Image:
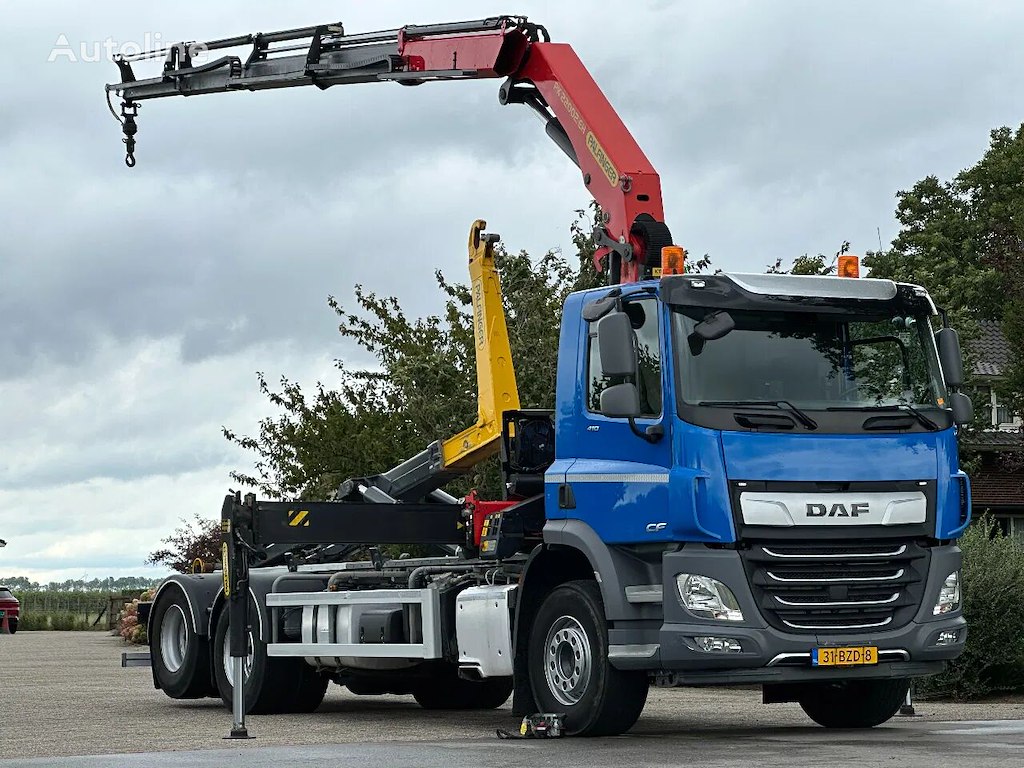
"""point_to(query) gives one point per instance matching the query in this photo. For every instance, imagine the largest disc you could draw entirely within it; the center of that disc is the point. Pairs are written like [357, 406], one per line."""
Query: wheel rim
[174, 638]
[568, 660]
[229, 670]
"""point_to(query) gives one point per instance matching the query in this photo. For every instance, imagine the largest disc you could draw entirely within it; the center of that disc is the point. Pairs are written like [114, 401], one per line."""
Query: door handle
[566, 498]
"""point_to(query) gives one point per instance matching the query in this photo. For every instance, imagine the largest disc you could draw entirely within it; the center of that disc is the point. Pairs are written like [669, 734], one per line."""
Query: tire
[449, 691]
[569, 669]
[12, 625]
[273, 686]
[854, 703]
[180, 658]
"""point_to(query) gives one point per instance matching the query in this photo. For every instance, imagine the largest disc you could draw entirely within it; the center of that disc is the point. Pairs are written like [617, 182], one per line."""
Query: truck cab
[763, 471]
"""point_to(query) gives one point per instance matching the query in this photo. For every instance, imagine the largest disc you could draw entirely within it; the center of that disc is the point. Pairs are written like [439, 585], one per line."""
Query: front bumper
[770, 655]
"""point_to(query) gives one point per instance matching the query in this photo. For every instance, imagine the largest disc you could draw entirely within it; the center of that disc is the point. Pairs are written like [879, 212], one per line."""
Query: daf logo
[656, 527]
[838, 510]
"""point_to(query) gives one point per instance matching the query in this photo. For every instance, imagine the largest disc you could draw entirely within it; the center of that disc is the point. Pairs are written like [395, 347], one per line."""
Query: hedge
[993, 602]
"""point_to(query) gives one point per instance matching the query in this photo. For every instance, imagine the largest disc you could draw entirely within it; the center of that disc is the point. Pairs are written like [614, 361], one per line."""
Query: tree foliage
[422, 386]
[108, 585]
[818, 264]
[964, 240]
[196, 539]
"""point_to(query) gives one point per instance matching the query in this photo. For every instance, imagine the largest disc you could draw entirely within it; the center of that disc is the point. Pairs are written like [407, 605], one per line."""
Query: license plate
[2, 613]
[844, 657]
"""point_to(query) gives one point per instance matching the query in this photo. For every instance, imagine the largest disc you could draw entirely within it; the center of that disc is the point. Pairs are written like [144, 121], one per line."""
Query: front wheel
[853, 703]
[569, 667]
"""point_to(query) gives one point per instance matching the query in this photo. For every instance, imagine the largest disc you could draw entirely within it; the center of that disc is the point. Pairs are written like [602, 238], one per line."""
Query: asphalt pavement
[65, 701]
[907, 744]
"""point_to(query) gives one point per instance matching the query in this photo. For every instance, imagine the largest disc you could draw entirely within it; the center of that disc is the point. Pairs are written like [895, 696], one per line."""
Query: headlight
[949, 595]
[708, 598]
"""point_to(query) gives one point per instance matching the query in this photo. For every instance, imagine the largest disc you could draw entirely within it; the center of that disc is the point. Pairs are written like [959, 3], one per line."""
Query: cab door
[619, 482]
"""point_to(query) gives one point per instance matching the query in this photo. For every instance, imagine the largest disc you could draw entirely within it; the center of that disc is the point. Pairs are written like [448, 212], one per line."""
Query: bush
[993, 600]
[30, 622]
[68, 622]
[129, 627]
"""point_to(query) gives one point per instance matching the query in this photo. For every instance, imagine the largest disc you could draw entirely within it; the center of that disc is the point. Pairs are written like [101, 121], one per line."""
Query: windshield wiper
[904, 407]
[802, 417]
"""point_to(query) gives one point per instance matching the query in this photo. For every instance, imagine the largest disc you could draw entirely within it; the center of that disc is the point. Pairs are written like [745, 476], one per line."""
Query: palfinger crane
[545, 76]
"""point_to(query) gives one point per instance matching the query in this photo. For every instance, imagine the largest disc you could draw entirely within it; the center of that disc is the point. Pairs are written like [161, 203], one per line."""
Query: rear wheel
[569, 667]
[180, 658]
[449, 691]
[272, 685]
[853, 703]
[12, 625]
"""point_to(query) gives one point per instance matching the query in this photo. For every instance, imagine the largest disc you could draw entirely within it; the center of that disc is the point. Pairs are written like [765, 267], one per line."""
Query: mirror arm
[651, 434]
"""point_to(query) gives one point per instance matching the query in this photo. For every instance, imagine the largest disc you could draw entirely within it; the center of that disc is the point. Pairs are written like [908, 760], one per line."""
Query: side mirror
[620, 401]
[960, 404]
[712, 327]
[616, 345]
[950, 357]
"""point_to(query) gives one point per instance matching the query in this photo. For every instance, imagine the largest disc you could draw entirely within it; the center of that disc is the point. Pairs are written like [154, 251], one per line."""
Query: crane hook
[129, 111]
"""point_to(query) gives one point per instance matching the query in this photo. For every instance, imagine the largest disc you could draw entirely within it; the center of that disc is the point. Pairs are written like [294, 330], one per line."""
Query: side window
[644, 317]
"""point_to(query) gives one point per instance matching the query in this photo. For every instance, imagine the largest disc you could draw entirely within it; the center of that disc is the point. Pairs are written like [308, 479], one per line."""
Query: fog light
[949, 595]
[948, 637]
[708, 598]
[718, 644]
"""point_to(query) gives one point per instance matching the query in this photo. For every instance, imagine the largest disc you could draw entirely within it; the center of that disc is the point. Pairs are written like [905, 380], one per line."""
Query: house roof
[995, 440]
[991, 350]
[998, 489]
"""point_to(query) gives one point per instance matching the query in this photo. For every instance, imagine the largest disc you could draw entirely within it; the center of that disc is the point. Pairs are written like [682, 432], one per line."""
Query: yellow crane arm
[495, 372]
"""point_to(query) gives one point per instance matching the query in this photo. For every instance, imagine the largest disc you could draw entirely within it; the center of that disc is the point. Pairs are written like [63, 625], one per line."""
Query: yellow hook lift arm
[495, 372]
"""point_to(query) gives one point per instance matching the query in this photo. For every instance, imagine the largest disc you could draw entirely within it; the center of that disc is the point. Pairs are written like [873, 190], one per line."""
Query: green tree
[810, 265]
[964, 240]
[196, 539]
[422, 386]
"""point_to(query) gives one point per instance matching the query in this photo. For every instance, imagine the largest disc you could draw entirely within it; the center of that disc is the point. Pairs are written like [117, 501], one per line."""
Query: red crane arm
[548, 77]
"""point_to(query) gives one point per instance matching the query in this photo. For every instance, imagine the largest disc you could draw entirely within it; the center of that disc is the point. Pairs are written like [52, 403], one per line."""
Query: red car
[10, 609]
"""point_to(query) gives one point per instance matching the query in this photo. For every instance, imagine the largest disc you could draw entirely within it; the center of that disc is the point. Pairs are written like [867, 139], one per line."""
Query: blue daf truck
[745, 479]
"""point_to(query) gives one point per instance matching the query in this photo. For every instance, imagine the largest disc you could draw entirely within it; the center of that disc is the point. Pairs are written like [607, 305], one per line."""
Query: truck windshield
[813, 361]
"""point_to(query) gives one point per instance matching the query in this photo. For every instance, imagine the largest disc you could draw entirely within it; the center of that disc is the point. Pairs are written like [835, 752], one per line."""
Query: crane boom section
[548, 77]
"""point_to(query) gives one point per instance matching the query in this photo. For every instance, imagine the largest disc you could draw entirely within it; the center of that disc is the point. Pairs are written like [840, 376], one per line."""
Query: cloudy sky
[138, 305]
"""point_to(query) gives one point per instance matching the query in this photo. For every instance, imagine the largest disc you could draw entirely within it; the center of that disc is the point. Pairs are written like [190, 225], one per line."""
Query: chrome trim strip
[903, 654]
[645, 593]
[850, 556]
[617, 477]
[633, 651]
[897, 575]
[900, 652]
[787, 656]
[845, 604]
[838, 627]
